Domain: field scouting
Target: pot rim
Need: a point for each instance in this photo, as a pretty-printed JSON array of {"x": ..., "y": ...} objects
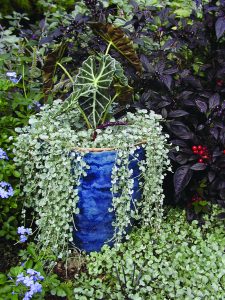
[{"x": 103, "y": 149}]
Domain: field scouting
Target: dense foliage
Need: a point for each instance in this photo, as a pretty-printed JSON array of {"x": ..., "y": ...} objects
[
  {"x": 181, "y": 262},
  {"x": 184, "y": 80},
  {"x": 179, "y": 57},
  {"x": 45, "y": 146},
  {"x": 172, "y": 54}
]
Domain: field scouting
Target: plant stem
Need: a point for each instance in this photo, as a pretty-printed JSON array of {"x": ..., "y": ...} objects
[
  {"x": 66, "y": 72},
  {"x": 24, "y": 89},
  {"x": 107, "y": 108},
  {"x": 108, "y": 48}
]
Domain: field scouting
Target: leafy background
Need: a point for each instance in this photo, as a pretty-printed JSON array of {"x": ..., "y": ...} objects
[{"x": 180, "y": 46}]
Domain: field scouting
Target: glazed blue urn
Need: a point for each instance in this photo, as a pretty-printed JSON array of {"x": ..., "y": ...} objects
[{"x": 94, "y": 222}]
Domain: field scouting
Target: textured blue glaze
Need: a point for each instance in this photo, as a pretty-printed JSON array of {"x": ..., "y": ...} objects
[{"x": 94, "y": 221}]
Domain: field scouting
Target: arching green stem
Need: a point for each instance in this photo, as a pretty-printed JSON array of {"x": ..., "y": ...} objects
[
  {"x": 108, "y": 48},
  {"x": 66, "y": 72},
  {"x": 107, "y": 108}
]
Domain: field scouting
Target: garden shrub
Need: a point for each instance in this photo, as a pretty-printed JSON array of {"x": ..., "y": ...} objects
[
  {"x": 9, "y": 175},
  {"x": 47, "y": 144},
  {"x": 18, "y": 101},
  {"x": 34, "y": 9},
  {"x": 183, "y": 79},
  {"x": 183, "y": 261},
  {"x": 30, "y": 280}
]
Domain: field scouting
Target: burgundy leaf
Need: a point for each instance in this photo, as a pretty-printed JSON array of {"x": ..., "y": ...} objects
[
  {"x": 179, "y": 143},
  {"x": 159, "y": 68},
  {"x": 222, "y": 194},
  {"x": 221, "y": 203},
  {"x": 199, "y": 167},
  {"x": 180, "y": 130},
  {"x": 177, "y": 113},
  {"x": 214, "y": 132},
  {"x": 221, "y": 216},
  {"x": 181, "y": 178},
  {"x": 181, "y": 159},
  {"x": 163, "y": 104},
  {"x": 211, "y": 176},
  {"x": 42, "y": 24},
  {"x": 217, "y": 152},
  {"x": 167, "y": 80},
  {"x": 202, "y": 106},
  {"x": 188, "y": 102},
  {"x": 214, "y": 100},
  {"x": 164, "y": 113},
  {"x": 168, "y": 44},
  {"x": 146, "y": 64},
  {"x": 221, "y": 185},
  {"x": 220, "y": 27},
  {"x": 170, "y": 71},
  {"x": 185, "y": 94}
]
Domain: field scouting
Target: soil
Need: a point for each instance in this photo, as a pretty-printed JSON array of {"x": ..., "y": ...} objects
[{"x": 9, "y": 254}]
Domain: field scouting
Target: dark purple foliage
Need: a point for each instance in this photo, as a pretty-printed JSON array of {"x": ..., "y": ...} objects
[{"x": 184, "y": 80}]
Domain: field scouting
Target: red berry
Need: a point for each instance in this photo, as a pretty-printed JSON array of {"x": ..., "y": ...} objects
[
  {"x": 195, "y": 152},
  {"x": 200, "y": 160},
  {"x": 224, "y": 151},
  {"x": 199, "y": 147},
  {"x": 219, "y": 82},
  {"x": 194, "y": 148},
  {"x": 201, "y": 152},
  {"x": 205, "y": 157}
]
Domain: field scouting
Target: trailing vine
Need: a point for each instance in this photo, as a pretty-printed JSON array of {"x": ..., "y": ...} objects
[
  {"x": 52, "y": 167},
  {"x": 51, "y": 154}
]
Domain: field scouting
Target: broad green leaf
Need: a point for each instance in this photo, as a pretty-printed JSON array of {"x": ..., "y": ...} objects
[
  {"x": 96, "y": 77},
  {"x": 117, "y": 38},
  {"x": 72, "y": 103}
]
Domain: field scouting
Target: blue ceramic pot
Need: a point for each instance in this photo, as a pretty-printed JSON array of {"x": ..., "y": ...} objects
[{"x": 94, "y": 221}]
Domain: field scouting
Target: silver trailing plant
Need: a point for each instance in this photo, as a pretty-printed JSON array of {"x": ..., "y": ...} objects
[{"x": 47, "y": 151}]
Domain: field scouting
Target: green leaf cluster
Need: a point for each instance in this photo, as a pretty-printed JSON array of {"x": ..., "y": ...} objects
[
  {"x": 181, "y": 261},
  {"x": 51, "y": 284}
]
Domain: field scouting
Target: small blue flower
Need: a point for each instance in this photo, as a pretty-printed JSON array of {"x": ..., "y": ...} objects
[
  {"x": 35, "y": 106},
  {"x": 23, "y": 233},
  {"x": 11, "y": 74},
  {"x": 23, "y": 238},
  {"x": 19, "y": 278},
  {"x": 28, "y": 281},
  {"x": 13, "y": 77},
  {"x": 6, "y": 190},
  {"x": 28, "y": 231},
  {"x": 21, "y": 230},
  {"x": 41, "y": 278},
  {"x": 28, "y": 295},
  {"x": 3, "y": 154},
  {"x": 32, "y": 272},
  {"x": 36, "y": 288}
]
